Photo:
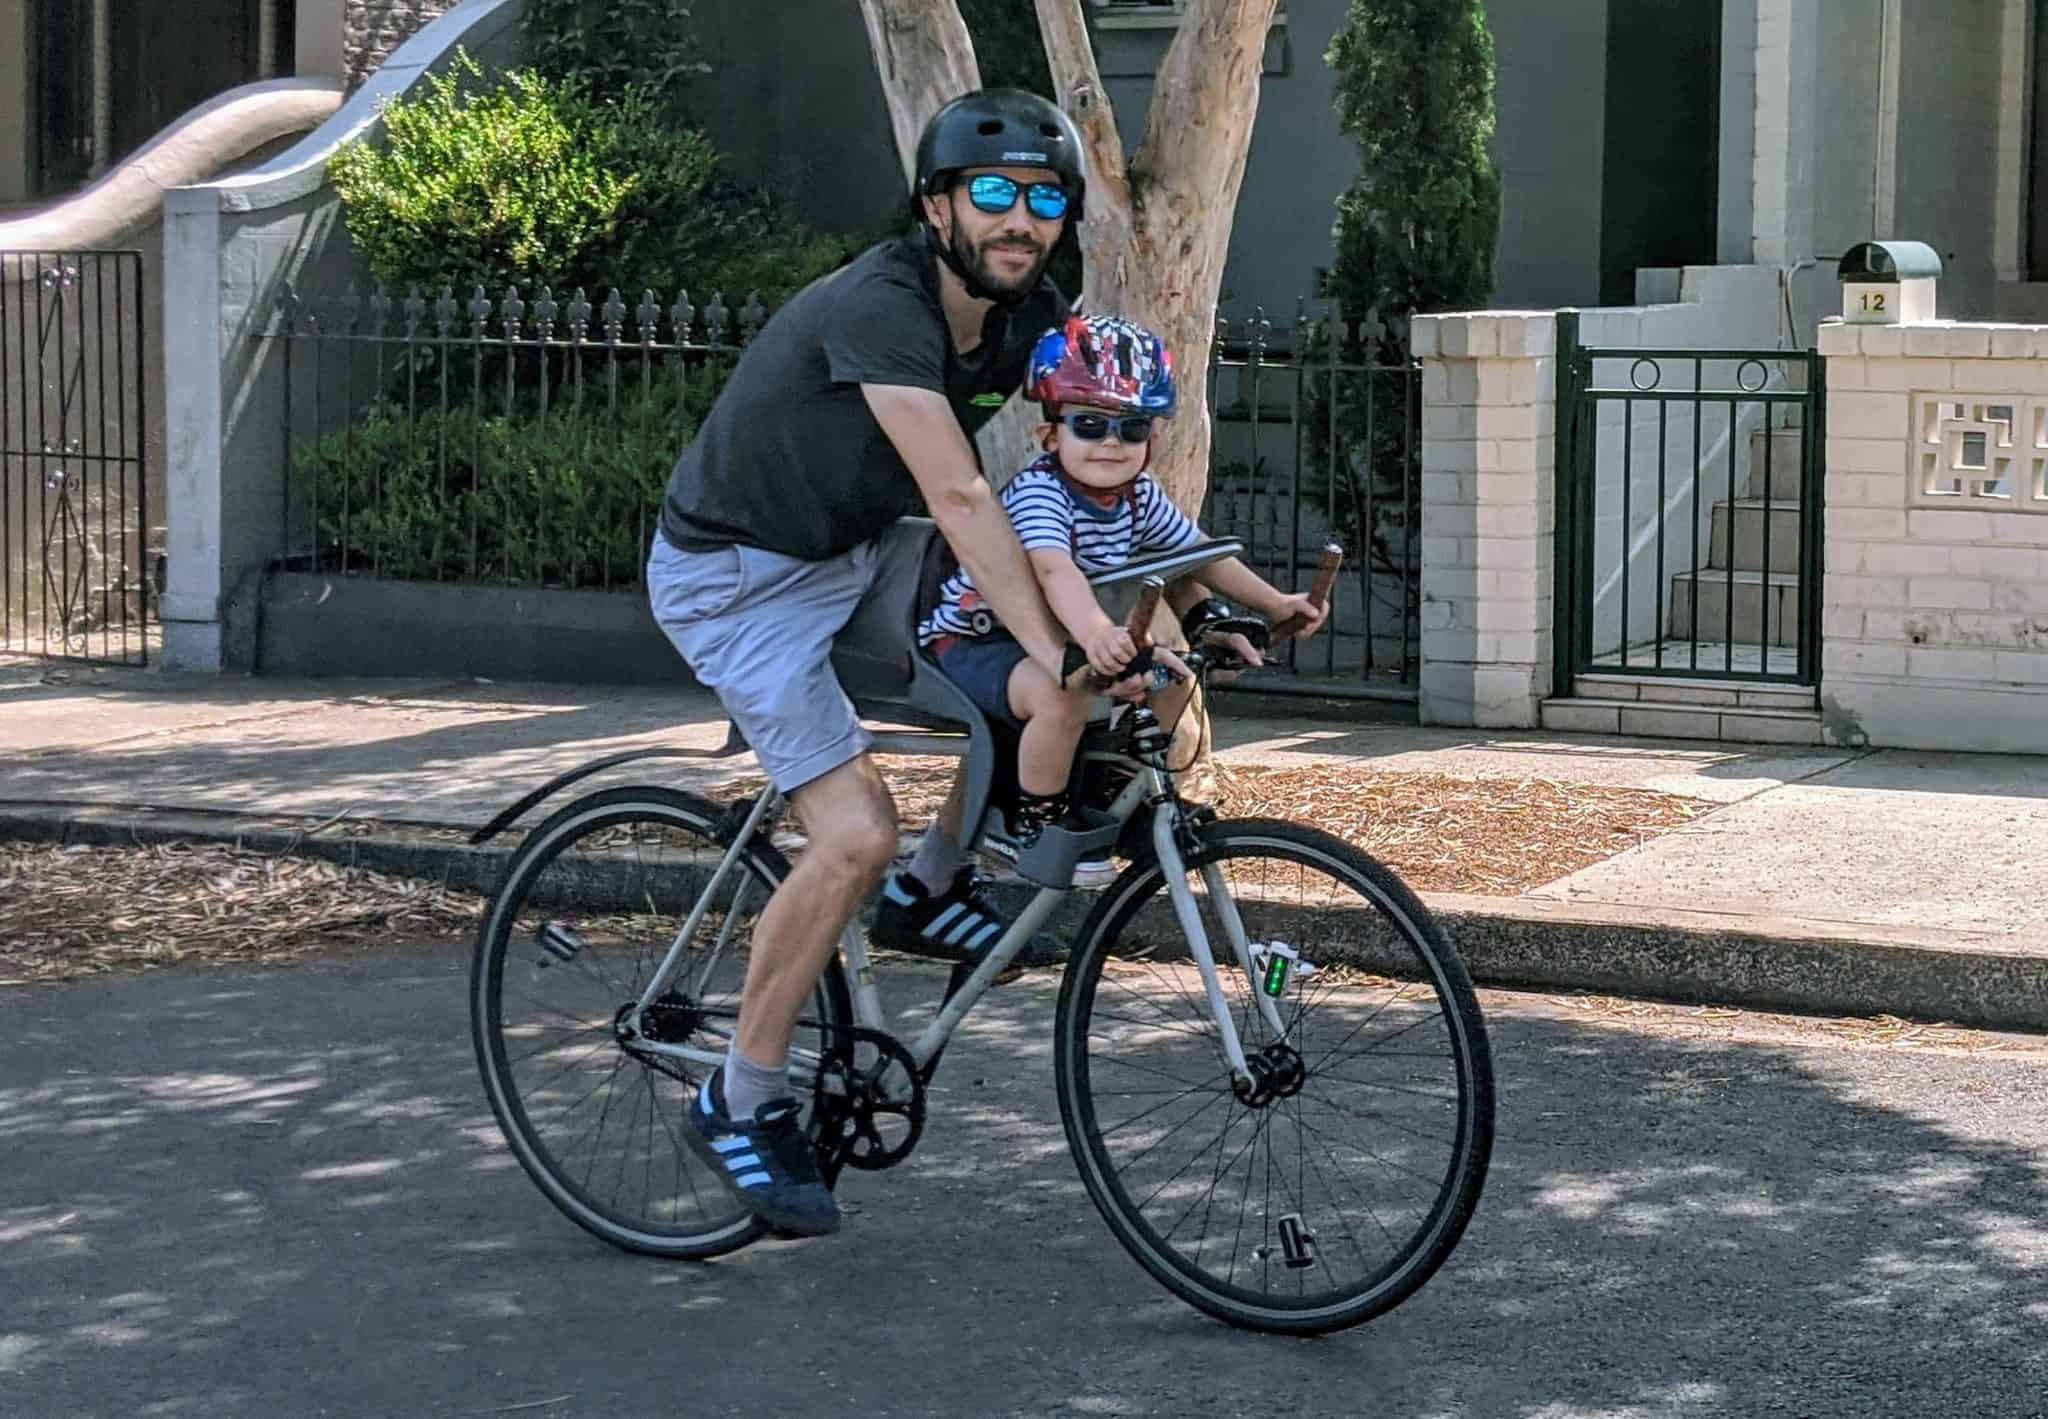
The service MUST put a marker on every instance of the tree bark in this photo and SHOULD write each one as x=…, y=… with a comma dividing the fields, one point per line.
x=926, y=59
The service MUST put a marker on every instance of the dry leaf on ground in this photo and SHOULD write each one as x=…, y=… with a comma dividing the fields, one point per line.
x=78, y=911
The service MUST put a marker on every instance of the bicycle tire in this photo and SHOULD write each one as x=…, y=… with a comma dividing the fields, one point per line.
x=1355, y=948
x=603, y=884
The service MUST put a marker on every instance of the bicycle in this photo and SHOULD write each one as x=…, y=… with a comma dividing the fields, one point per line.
x=1336, y=1007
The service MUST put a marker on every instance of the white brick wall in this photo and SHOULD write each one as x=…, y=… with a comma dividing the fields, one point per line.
x=1488, y=459
x=1935, y=619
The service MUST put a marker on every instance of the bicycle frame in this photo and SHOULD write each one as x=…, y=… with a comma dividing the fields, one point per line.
x=1152, y=785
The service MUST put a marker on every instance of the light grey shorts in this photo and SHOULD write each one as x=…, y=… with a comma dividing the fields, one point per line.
x=761, y=631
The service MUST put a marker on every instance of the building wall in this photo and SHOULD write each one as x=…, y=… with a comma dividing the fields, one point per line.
x=797, y=105
x=1847, y=78
x=14, y=101
x=373, y=29
x=1948, y=144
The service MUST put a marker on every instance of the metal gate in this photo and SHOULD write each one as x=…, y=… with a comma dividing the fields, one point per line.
x=73, y=519
x=1689, y=512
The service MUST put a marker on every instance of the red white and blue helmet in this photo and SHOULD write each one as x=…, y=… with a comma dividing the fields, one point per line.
x=1105, y=362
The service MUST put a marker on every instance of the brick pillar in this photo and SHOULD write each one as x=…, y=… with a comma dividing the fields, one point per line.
x=1489, y=424
x=1934, y=610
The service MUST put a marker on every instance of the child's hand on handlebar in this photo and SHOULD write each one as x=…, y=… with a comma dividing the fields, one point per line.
x=1110, y=648
x=1298, y=604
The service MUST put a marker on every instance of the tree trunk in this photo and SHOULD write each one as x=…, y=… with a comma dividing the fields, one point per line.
x=926, y=59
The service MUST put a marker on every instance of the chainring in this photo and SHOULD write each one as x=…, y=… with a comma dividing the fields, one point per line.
x=865, y=1079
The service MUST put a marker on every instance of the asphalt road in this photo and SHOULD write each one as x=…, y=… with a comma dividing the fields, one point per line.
x=280, y=1192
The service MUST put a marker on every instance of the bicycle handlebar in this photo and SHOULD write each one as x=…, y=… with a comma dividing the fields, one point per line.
x=1318, y=591
x=1138, y=624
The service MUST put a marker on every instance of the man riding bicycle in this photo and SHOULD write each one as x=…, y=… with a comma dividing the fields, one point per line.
x=780, y=536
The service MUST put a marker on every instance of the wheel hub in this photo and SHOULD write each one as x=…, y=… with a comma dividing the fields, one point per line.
x=1274, y=1073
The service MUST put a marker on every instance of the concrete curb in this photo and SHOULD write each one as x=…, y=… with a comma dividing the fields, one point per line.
x=1773, y=963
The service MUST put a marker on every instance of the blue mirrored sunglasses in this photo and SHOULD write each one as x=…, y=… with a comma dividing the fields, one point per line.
x=1091, y=427
x=993, y=193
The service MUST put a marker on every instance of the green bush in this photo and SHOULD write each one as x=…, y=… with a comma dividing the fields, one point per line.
x=1415, y=233
x=500, y=184
x=615, y=45
x=562, y=500
x=537, y=182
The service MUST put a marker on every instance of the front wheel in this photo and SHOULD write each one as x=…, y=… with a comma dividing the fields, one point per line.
x=1329, y=1186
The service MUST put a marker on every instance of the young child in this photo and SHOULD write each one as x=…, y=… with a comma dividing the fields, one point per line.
x=1085, y=506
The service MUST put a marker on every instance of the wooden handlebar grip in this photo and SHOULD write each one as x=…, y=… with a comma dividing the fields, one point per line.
x=1139, y=622
x=1318, y=590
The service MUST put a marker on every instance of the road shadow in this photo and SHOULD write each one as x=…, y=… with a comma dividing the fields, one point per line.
x=279, y=1191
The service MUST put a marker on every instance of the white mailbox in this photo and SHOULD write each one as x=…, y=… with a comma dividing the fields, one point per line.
x=1888, y=282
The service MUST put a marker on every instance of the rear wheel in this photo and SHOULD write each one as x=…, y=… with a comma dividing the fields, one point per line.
x=589, y=907
x=1333, y=1184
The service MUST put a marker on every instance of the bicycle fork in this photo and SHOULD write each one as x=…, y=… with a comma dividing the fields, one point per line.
x=1166, y=843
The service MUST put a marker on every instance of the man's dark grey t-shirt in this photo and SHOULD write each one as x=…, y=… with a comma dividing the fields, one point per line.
x=790, y=458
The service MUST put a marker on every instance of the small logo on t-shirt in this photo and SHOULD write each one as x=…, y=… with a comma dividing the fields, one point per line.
x=988, y=401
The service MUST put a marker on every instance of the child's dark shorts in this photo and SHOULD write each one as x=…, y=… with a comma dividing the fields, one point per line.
x=981, y=666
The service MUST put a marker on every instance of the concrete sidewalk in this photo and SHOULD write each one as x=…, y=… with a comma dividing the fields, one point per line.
x=1827, y=880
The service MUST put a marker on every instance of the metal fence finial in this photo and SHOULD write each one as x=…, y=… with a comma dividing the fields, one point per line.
x=479, y=310
x=680, y=315
x=578, y=315
x=614, y=317
x=648, y=317
x=752, y=316
x=514, y=311
x=544, y=312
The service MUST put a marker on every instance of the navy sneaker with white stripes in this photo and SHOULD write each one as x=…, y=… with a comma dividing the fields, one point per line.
x=768, y=1161
x=959, y=924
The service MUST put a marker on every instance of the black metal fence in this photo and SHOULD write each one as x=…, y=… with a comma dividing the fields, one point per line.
x=1689, y=511
x=1316, y=442
x=528, y=441
x=74, y=575
x=507, y=440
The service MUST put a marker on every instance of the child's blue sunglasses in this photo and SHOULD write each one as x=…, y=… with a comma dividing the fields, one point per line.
x=1091, y=427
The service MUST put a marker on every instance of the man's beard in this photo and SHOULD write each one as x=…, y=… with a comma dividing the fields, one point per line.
x=975, y=259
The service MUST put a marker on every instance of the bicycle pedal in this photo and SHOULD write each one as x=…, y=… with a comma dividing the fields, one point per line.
x=558, y=941
x=1297, y=1243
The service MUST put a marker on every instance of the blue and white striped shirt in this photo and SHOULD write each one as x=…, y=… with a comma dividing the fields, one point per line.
x=1051, y=515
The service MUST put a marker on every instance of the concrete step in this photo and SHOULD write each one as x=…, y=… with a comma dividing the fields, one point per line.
x=1698, y=692
x=1754, y=593
x=1748, y=518
x=1785, y=449
x=1724, y=723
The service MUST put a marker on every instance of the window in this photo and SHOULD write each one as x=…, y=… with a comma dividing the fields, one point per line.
x=1154, y=14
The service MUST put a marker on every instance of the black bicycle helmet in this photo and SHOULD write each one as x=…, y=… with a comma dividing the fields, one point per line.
x=1001, y=128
